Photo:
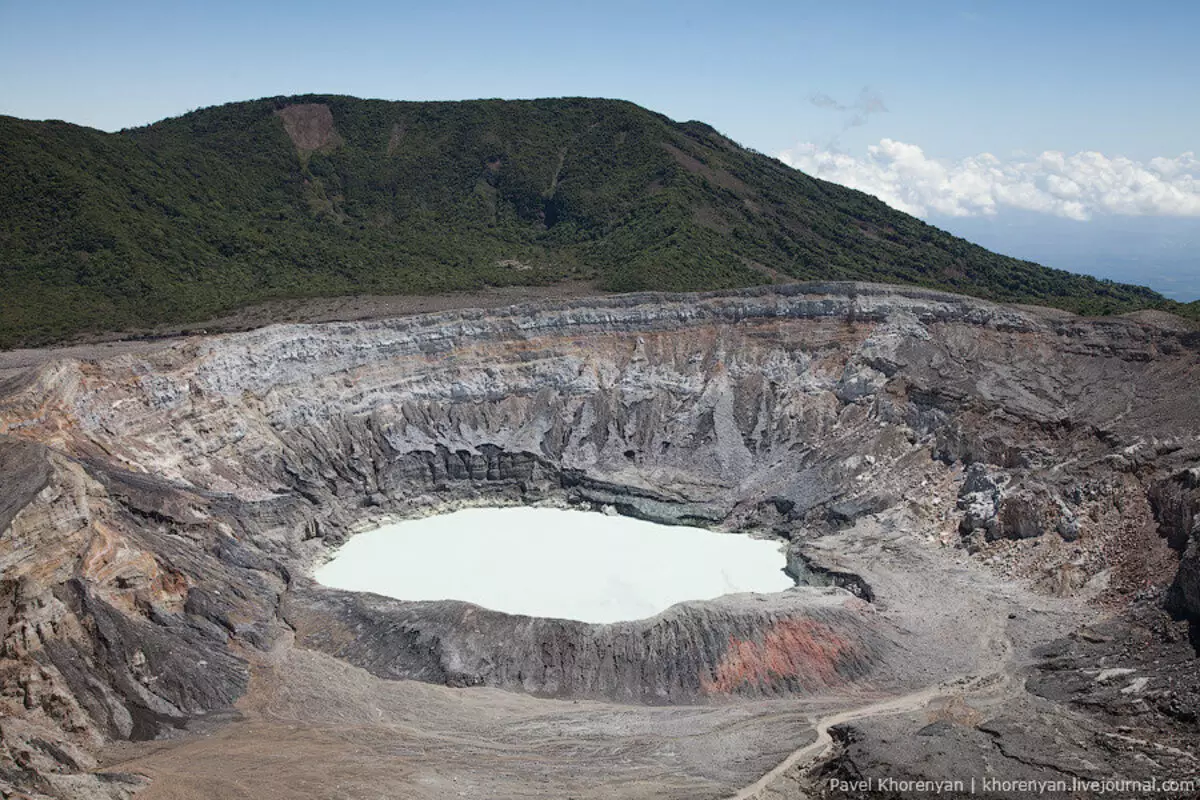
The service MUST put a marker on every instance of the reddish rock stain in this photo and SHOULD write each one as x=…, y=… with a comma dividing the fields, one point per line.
x=795, y=651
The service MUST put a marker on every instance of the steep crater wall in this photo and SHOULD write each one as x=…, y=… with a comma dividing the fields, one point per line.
x=182, y=496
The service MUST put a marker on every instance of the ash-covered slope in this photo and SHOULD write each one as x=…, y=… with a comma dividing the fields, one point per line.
x=167, y=505
x=326, y=195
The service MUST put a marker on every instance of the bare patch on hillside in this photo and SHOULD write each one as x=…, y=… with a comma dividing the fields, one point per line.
x=396, y=137
x=710, y=218
x=773, y=275
x=717, y=177
x=310, y=127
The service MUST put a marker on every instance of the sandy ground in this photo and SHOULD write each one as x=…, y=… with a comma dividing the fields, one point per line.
x=314, y=727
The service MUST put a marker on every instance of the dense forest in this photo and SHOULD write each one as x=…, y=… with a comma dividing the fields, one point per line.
x=327, y=195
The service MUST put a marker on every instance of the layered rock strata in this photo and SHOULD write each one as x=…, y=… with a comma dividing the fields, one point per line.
x=162, y=509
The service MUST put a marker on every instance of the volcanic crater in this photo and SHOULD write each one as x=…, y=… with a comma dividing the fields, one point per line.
x=986, y=508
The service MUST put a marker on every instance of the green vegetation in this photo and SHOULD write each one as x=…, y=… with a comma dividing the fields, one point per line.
x=200, y=214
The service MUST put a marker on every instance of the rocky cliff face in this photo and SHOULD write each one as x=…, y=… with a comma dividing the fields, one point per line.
x=733, y=646
x=161, y=510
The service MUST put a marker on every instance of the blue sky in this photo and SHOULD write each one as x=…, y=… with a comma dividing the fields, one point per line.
x=958, y=79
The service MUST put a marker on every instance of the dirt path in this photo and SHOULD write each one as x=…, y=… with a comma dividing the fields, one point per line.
x=811, y=753
x=997, y=681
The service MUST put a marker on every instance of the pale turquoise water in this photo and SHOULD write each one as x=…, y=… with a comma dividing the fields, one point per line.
x=551, y=562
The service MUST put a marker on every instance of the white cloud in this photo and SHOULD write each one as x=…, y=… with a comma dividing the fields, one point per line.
x=1073, y=186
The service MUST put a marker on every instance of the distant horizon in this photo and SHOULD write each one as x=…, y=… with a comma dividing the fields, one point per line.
x=1161, y=253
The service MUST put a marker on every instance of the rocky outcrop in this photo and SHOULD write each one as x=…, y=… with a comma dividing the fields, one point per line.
x=1176, y=505
x=167, y=505
x=26, y=470
x=807, y=641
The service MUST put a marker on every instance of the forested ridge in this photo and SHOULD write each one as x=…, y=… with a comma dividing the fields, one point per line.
x=327, y=195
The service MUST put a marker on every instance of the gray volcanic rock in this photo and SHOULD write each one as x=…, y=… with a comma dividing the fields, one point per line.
x=162, y=508
x=806, y=641
x=1176, y=504
x=1185, y=592
x=27, y=472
